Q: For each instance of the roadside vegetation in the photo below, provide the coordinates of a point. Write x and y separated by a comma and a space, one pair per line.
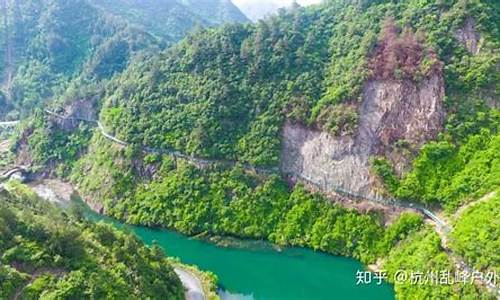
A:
231, 202
423, 262
476, 235
51, 254
225, 93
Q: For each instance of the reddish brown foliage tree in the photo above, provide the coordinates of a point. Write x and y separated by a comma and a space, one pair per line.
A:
400, 55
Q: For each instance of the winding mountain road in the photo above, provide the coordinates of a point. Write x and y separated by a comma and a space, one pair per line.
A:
207, 162
201, 162
9, 124
6, 175
442, 227
193, 284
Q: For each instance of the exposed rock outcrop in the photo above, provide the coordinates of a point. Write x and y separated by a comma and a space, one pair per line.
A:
95, 205
468, 36
77, 110
391, 111
23, 155
400, 111
402, 108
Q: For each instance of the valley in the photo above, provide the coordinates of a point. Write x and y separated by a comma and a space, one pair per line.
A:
239, 270
194, 252
290, 158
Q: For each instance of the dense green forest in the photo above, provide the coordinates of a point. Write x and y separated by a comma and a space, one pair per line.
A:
421, 253
476, 234
84, 43
225, 93
47, 253
77, 44
171, 20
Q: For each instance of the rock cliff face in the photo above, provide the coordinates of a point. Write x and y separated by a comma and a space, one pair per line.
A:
78, 109
391, 111
400, 111
468, 36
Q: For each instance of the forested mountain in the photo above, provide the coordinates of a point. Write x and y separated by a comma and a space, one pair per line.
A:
236, 130
216, 11
50, 46
50, 254
173, 19
225, 93
47, 44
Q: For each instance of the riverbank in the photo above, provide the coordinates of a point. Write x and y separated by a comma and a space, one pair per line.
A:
193, 286
199, 285
247, 274
238, 243
263, 273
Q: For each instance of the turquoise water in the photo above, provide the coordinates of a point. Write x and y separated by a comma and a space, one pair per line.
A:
265, 273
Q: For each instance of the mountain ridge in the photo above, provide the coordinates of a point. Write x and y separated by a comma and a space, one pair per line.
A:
403, 86
82, 42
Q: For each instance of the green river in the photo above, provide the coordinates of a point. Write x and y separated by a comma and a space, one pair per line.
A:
263, 272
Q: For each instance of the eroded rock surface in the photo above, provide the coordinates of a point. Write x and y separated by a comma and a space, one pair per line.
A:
54, 191
77, 110
469, 37
391, 111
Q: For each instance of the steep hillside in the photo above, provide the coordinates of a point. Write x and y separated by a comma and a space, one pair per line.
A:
376, 86
46, 49
47, 253
216, 11
173, 19
226, 132
477, 232
78, 44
